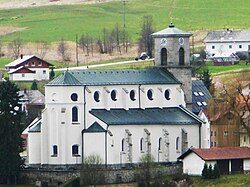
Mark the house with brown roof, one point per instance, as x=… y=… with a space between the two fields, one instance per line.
x=228 y=159
x=28 y=68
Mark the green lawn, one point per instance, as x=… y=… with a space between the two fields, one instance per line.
x=51 y=23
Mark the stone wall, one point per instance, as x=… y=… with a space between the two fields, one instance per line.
x=112 y=174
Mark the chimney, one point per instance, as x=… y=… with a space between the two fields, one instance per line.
x=21 y=56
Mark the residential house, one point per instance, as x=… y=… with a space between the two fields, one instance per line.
x=121 y=115
x=223 y=45
x=28 y=68
x=228 y=159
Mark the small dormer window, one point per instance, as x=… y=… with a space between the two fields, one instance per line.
x=167 y=94
x=39 y=63
x=33 y=63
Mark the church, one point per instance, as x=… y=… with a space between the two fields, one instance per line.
x=121 y=115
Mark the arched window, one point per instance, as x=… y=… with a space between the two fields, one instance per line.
x=114 y=95
x=142 y=145
x=150 y=94
x=74 y=114
x=55 y=150
x=74 y=97
x=167 y=94
x=177 y=144
x=123 y=144
x=132 y=95
x=75 y=150
x=164 y=56
x=97 y=96
x=160 y=144
x=181 y=56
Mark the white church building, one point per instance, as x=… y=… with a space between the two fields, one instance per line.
x=121 y=115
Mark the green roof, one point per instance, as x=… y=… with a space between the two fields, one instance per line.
x=114 y=77
x=148 y=116
x=95 y=127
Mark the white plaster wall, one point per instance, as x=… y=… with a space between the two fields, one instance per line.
x=205 y=131
x=193 y=164
x=223 y=48
x=34 y=144
x=39 y=75
x=18 y=77
x=246 y=164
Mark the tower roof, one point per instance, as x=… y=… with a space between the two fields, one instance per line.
x=171 y=31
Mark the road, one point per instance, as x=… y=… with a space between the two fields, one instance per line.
x=99 y=65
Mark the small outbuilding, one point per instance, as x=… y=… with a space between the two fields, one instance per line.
x=228 y=159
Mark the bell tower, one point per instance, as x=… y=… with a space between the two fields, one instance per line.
x=172 y=51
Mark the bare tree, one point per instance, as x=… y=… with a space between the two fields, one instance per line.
x=16 y=46
x=146 y=40
x=42 y=48
x=63 y=50
x=86 y=42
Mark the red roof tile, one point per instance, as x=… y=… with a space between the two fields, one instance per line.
x=223 y=153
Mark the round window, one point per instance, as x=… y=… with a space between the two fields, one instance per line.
x=167 y=94
x=97 y=96
x=74 y=97
x=113 y=95
x=150 y=94
x=132 y=95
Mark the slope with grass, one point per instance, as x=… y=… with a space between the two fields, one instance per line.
x=51 y=23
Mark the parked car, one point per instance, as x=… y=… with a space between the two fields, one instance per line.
x=142 y=56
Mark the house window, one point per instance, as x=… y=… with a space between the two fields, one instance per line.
x=132 y=95
x=181 y=56
x=240 y=46
x=39 y=63
x=123 y=144
x=230 y=46
x=74 y=114
x=214 y=133
x=26 y=64
x=74 y=97
x=33 y=63
x=225 y=133
x=211 y=133
x=75 y=150
x=54 y=150
x=150 y=94
x=44 y=71
x=97 y=96
x=213 y=47
x=245 y=139
x=167 y=94
x=23 y=75
x=114 y=95
x=212 y=144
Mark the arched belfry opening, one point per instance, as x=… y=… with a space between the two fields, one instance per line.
x=181 y=56
x=164 y=56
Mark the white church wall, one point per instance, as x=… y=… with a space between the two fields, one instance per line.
x=34 y=144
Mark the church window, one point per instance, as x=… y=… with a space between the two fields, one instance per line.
x=75 y=150
x=142 y=145
x=114 y=95
x=230 y=46
x=167 y=94
x=181 y=56
x=160 y=144
x=54 y=150
x=164 y=56
x=177 y=144
x=74 y=97
x=184 y=138
x=132 y=95
x=74 y=114
x=213 y=47
x=97 y=96
x=240 y=46
x=123 y=145
x=150 y=94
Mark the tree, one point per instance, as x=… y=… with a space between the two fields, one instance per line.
x=146 y=40
x=52 y=74
x=63 y=50
x=216 y=171
x=10 y=132
x=34 y=85
x=42 y=48
x=16 y=46
x=205 y=171
x=92 y=173
x=205 y=76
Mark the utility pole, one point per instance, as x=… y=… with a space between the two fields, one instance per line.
x=77 y=61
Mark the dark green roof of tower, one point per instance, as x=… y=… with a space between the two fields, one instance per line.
x=148 y=116
x=95 y=127
x=114 y=77
x=170 y=32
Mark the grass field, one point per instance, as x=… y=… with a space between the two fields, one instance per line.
x=51 y=23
